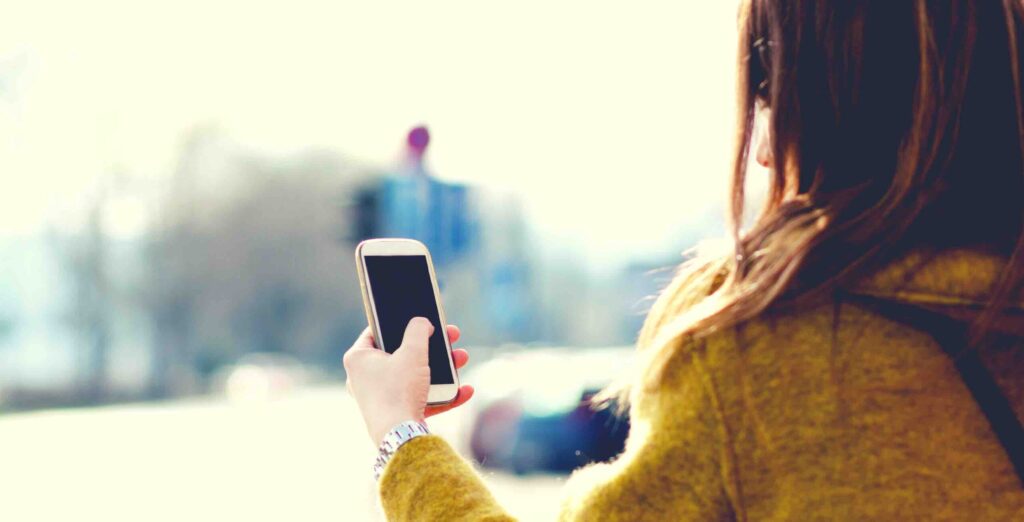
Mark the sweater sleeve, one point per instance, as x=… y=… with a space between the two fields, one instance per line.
x=427 y=480
x=671 y=468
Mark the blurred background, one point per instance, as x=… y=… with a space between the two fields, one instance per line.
x=184 y=185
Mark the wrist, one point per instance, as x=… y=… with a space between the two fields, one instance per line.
x=389 y=422
x=394 y=439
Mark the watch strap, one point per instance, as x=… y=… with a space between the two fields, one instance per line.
x=400 y=434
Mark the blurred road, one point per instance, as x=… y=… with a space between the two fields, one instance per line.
x=304 y=456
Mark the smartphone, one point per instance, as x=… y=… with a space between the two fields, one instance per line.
x=398 y=283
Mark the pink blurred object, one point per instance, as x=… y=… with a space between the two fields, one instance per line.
x=416 y=148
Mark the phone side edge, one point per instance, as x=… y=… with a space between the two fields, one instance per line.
x=444 y=330
x=364 y=289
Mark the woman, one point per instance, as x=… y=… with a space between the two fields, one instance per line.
x=805 y=375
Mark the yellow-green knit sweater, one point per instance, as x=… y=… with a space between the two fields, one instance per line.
x=832 y=412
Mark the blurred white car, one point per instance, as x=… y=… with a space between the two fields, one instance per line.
x=262 y=376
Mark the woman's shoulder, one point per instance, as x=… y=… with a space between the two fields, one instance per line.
x=949 y=279
x=829 y=338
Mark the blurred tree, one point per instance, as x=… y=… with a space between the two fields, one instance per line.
x=248 y=258
x=84 y=257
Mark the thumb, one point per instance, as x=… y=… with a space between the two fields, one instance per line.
x=415 y=342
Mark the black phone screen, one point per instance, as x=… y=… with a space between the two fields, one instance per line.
x=401 y=290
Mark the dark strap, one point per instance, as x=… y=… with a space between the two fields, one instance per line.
x=952 y=337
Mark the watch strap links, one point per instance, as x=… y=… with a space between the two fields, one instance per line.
x=399 y=435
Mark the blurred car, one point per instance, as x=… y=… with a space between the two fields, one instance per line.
x=533 y=411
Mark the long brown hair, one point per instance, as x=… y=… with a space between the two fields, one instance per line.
x=894 y=125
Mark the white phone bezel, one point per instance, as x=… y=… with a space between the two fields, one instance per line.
x=438 y=393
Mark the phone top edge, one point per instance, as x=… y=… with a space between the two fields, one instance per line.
x=378 y=240
x=391 y=247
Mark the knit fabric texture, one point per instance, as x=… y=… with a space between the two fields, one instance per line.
x=829 y=412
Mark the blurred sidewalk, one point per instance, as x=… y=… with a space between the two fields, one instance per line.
x=304 y=456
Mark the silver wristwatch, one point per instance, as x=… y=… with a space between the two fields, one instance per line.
x=398 y=435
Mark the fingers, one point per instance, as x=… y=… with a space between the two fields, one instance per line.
x=415 y=341
x=453 y=333
x=460 y=357
x=465 y=393
x=363 y=342
x=365 y=339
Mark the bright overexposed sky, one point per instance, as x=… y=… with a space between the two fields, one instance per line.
x=611 y=120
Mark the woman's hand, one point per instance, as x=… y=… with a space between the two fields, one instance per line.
x=392 y=387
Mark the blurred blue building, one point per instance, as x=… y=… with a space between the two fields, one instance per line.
x=435 y=212
x=477 y=241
